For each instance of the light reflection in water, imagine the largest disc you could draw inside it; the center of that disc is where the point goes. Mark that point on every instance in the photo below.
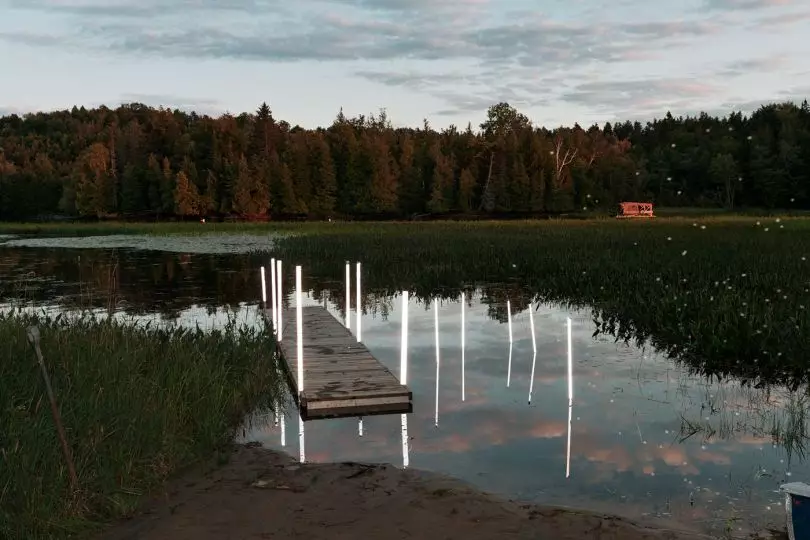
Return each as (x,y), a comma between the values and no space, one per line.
(463,302)
(534,352)
(509,362)
(436,331)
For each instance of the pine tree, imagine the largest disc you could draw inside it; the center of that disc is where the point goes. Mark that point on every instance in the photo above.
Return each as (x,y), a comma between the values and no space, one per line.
(466,190)
(323,176)
(211,199)
(153,182)
(166,187)
(132,193)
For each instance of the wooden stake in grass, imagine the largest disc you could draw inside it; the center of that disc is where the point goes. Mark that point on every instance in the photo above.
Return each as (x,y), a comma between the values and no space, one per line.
(33,339)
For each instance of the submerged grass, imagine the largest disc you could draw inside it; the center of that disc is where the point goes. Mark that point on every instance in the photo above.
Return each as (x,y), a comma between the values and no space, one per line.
(137,404)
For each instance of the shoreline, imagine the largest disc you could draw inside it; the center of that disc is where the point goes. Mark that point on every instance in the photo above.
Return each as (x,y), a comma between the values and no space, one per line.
(262,493)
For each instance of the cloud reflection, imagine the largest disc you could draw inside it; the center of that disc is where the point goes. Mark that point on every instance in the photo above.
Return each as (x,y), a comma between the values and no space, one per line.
(624,426)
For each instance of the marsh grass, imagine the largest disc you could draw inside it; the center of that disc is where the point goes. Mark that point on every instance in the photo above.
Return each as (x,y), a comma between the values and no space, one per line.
(138,404)
(780,419)
(729,296)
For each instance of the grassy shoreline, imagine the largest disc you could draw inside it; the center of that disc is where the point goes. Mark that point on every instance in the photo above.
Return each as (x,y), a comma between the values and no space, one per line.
(138,404)
(167,228)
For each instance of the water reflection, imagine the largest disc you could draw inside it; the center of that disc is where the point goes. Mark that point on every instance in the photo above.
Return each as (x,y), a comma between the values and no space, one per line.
(648,436)
(622,451)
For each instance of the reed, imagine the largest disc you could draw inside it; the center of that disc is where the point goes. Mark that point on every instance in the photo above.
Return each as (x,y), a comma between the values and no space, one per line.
(138,404)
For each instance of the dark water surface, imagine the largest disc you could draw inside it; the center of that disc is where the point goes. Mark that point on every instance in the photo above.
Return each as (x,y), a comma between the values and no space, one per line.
(647,438)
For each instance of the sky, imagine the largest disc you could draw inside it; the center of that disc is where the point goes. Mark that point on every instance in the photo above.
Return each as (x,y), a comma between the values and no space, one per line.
(558,62)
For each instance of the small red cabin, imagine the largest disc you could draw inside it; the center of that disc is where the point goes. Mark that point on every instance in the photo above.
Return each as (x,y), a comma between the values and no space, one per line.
(635,209)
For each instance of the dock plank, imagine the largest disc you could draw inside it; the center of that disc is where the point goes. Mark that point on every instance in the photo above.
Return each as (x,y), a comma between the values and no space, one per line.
(341,376)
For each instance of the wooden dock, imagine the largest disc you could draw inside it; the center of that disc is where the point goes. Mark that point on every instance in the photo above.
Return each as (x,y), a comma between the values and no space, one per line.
(341,376)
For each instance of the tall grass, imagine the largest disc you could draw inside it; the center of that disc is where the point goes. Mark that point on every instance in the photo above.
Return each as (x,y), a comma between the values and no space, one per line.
(137,403)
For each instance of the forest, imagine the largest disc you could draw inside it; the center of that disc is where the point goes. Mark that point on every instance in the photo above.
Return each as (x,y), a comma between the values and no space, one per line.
(140,161)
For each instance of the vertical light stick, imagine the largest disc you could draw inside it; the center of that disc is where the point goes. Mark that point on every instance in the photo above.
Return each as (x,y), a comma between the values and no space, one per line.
(278,299)
(463,348)
(299,330)
(509,324)
(436,325)
(348,295)
(570,366)
(264,288)
(570,398)
(403,353)
(534,356)
(403,376)
(359,307)
(404,426)
(274,295)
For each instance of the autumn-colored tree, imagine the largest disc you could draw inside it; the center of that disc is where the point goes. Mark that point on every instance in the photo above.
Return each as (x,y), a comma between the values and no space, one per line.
(382,176)
(187,200)
(322,172)
(153,179)
(92,183)
(105,162)
(250,194)
(441,191)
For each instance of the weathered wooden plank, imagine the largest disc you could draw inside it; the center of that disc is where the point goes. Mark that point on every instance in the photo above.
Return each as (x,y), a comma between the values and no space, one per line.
(359,394)
(336,375)
(351,373)
(321,379)
(341,376)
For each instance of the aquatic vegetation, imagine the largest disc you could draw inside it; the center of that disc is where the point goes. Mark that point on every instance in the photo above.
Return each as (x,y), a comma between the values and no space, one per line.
(730,297)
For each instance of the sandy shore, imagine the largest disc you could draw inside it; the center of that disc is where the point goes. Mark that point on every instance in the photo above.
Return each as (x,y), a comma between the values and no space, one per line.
(262,494)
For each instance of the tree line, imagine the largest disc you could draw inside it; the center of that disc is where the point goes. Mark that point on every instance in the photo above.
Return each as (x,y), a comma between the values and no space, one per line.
(142,161)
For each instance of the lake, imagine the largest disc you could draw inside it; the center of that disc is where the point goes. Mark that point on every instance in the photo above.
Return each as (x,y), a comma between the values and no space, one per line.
(648,436)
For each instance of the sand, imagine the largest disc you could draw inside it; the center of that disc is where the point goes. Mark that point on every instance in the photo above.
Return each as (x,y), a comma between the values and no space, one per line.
(260,494)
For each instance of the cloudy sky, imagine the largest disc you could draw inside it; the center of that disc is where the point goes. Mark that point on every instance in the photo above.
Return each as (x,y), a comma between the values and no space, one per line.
(447,60)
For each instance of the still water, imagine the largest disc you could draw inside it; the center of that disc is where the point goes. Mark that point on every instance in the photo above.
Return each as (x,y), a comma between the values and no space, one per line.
(647,438)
